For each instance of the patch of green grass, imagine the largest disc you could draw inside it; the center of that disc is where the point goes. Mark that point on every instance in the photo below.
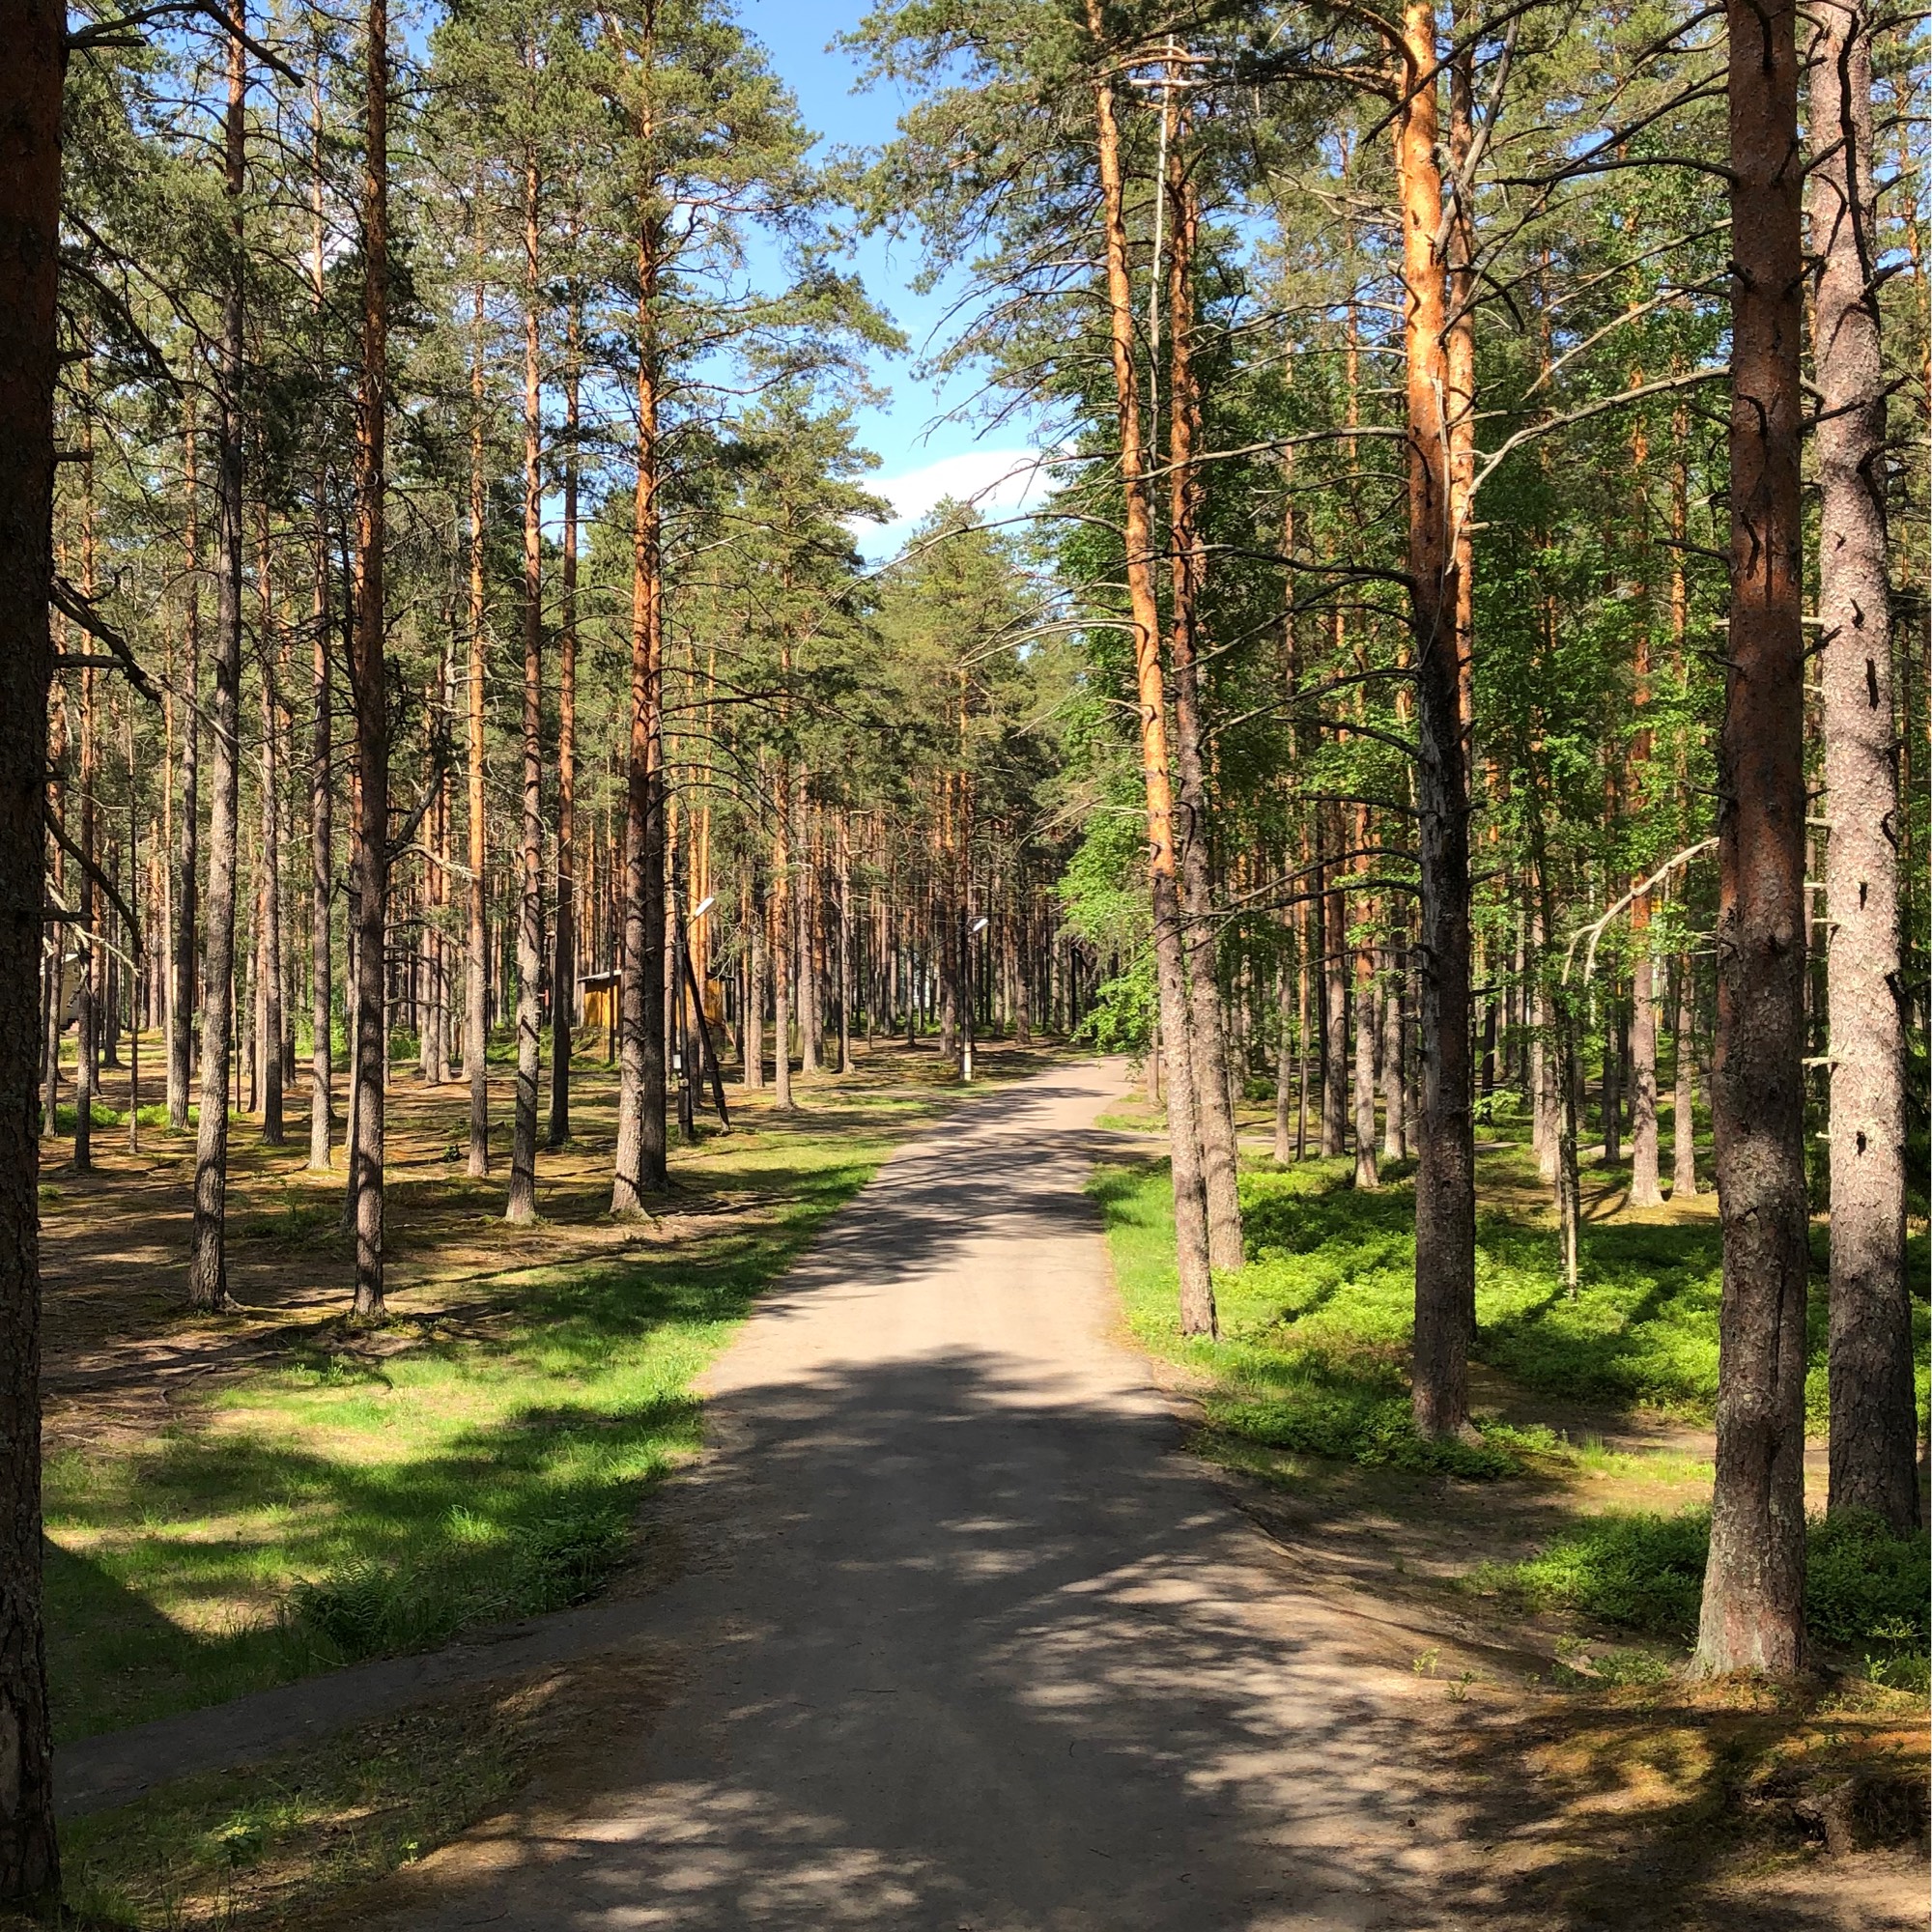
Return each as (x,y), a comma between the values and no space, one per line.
(1312,1354)
(242,1848)
(352,1501)
(1316,1327)
(1864,1588)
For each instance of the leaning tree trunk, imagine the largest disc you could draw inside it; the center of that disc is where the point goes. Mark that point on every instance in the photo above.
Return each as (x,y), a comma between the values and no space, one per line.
(369,686)
(30,172)
(1444,1131)
(1190,1204)
(208,1263)
(1874,1427)
(1753,1610)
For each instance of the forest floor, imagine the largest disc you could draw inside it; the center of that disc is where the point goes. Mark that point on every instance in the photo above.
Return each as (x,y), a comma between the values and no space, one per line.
(240,1502)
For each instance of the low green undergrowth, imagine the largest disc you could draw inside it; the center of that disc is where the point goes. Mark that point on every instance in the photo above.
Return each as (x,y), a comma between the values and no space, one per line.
(1316,1327)
(1866,1589)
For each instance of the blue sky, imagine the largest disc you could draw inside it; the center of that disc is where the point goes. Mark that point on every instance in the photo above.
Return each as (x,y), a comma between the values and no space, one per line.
(920,458)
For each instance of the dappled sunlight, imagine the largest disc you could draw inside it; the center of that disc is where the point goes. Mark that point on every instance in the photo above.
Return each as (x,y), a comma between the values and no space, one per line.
(960,1588)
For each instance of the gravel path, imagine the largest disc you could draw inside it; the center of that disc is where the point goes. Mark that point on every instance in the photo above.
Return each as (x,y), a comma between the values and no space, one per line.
(974,1646)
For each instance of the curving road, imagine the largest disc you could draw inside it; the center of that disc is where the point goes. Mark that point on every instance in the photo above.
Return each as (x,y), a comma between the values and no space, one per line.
(974,1646)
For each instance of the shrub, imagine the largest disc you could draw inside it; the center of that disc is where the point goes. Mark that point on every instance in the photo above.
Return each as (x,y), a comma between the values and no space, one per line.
(370,1609)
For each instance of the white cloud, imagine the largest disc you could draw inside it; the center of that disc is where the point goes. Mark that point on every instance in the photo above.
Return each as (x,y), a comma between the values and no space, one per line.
(996,482)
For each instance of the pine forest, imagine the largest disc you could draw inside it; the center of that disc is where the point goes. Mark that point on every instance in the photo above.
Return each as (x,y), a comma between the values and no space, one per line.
(1083,844)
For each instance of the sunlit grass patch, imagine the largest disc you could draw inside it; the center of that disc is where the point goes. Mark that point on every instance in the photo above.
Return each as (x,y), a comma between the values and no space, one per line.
(371,1494)
(1865,1593)
(1329,1295)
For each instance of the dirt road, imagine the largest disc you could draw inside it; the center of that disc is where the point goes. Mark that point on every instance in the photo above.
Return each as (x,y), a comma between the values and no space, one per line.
(976,1646)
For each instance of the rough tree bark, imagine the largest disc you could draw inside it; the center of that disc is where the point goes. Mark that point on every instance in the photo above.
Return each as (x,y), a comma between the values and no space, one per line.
(270,916)
(641,1164)
(368,682)
(30,172)
(1753,1610)
(1213,1111)
(1190,1205)
(1873,1424)
(1683,1104)
(476,955)
(563,972)
(1444,1132)
(320,779)
(208,1259)
(522,1204)
(181,1007)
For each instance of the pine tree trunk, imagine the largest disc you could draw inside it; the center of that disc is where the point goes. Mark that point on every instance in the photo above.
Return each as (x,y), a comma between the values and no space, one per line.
(1394,1128)
(755,915)
(844,941)
(208,1263)
(320,839)
(1190,1205)
(1334,1017)
(1219,1156)
(369,688)
(476,954)
(1284,1067)
(29,182)
(1645,1190)
(641,1153)
(1445,1221)
(1366,1176)
(87,1006)
(272,901)
(181,1007)
(779,911)
(522,1204)
(1753,1608)
(563,972)
(1612,1100)
(1684,1098)
(1874,1427)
